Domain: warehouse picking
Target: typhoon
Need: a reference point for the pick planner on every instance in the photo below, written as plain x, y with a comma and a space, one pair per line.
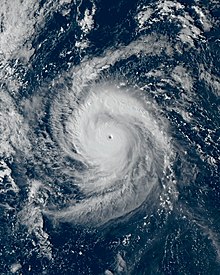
122, 146
108, 140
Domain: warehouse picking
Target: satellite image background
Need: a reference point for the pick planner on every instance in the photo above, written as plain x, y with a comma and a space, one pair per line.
109, 137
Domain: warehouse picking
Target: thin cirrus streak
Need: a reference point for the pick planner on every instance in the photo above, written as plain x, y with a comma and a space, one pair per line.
122, 144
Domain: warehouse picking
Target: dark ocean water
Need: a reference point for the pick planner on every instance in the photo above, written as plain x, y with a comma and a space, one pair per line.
171, 53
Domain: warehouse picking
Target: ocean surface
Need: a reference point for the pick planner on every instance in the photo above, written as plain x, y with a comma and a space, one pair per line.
109, 137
